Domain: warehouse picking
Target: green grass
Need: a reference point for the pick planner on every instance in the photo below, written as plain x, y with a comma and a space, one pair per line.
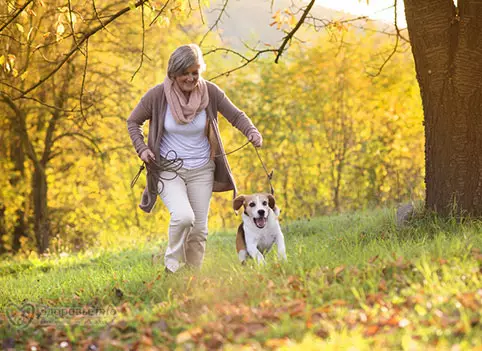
350, 280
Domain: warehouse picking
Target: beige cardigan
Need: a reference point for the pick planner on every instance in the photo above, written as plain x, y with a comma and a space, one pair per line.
153, 106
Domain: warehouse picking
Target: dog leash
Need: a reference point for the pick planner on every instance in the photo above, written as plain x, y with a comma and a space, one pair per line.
268, 175
174, 164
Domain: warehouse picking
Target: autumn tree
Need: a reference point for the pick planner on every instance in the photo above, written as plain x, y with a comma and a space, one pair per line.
49, 115
447, 47
66, 93
446, 38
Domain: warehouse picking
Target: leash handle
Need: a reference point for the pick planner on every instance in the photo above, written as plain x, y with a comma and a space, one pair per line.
134, 180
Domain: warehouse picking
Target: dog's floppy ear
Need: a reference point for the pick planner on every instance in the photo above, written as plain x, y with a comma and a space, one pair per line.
271, 201
238, 202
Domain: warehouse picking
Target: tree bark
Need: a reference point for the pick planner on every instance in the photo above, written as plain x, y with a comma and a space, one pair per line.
41, 218
18, 157
3, 230
447, 48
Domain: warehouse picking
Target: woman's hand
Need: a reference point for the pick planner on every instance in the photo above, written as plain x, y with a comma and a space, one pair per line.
255, 138
147, 156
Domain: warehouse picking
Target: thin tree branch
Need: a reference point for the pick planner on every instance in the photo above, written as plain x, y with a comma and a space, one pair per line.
190, 8
290, 35
234, 52
15, 15
74, 49
83, 82
160, 12
396, 22
53, 107
392, 52
79, 135
97, 16
247, 60
200, 11
215, 24
397, 38
38, 47
71, 22
326, 23
143, 43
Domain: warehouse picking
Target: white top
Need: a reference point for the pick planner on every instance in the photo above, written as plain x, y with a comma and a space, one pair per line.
186, 140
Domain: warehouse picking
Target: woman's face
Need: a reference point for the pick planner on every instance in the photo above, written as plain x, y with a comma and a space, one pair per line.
188, 79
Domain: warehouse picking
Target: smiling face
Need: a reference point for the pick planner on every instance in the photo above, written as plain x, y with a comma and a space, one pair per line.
189, 78
256, 206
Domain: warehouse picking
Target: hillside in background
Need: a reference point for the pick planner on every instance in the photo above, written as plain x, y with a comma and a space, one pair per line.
248, 21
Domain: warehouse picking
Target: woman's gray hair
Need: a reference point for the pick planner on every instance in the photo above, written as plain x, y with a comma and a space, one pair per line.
184, 57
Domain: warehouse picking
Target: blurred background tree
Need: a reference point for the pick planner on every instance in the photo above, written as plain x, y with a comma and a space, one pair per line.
337, 138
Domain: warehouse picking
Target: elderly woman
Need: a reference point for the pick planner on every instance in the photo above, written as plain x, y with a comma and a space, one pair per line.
183, 124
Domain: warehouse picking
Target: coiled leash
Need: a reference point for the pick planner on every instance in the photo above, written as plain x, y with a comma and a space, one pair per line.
171, 163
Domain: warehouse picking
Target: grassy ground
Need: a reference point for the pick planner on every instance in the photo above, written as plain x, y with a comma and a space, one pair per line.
352, 281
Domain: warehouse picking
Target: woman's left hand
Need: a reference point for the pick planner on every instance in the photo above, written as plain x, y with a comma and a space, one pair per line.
255, 138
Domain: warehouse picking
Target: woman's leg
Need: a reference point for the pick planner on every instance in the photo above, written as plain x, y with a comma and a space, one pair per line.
175, 197
199, 189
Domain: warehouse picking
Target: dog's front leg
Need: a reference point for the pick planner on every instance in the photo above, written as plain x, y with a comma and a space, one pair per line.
280, 243
254, 252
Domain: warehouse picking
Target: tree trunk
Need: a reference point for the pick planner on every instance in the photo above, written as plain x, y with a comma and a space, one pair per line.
41, 219
447, 48
3, 230
18, 157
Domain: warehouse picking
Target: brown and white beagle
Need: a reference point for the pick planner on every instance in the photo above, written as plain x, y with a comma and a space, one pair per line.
260, 228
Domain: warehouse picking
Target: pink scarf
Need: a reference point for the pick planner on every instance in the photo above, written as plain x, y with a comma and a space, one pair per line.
183, 109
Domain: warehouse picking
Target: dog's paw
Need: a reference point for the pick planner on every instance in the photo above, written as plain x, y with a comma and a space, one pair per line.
243, 256
260, 259
283, 258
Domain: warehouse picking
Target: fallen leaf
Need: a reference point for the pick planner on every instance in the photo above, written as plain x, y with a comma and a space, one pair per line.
275, 343
382, 285
214, 341
146, 340
297, 308
121, 325
372, 330
161, 325
338, 270
393, 321
338, 302
254, 327
181, 338
468, 300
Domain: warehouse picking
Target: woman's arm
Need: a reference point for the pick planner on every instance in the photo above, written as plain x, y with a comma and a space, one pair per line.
141, 113
233, 114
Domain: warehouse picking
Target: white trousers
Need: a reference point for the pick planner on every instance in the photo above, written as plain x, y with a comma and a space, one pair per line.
187, 197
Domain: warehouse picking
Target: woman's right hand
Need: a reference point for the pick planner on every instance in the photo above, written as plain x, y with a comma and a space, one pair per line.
147, 156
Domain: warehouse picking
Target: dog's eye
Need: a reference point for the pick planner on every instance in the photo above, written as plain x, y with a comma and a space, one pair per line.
252, 204
265, 203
